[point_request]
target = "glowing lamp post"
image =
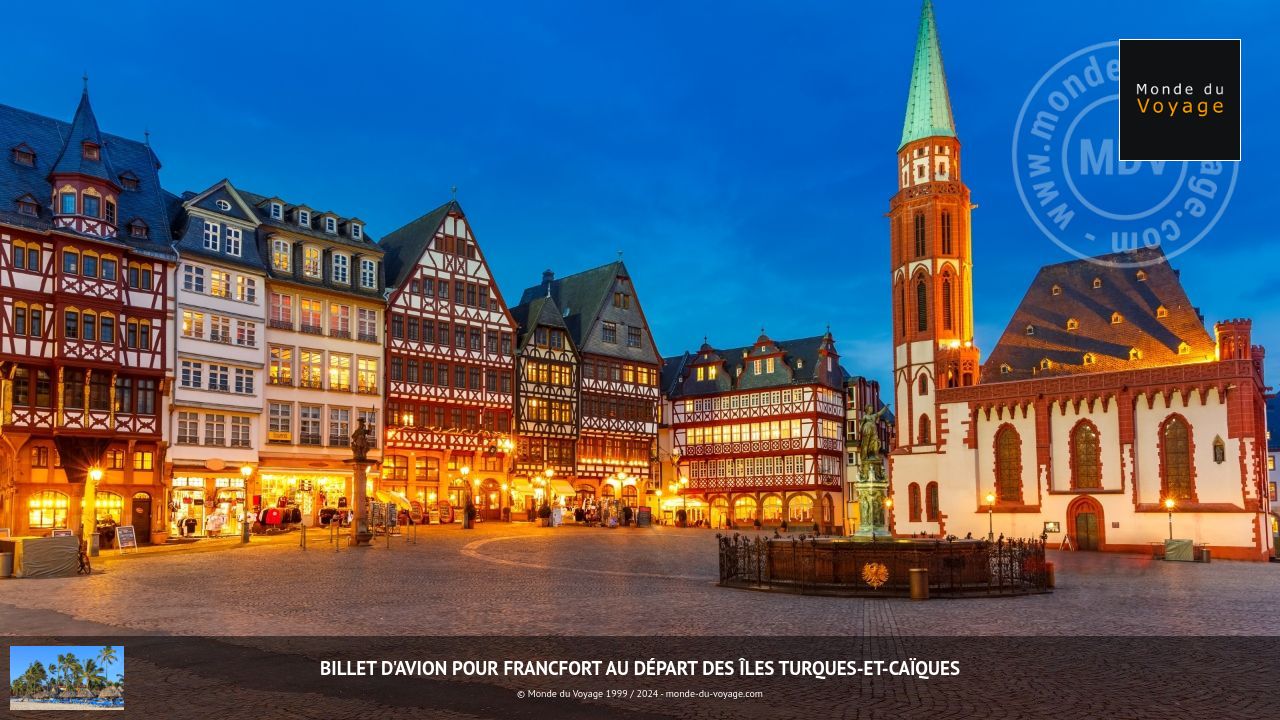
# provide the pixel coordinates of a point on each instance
(991, 506)
(1168, 505)
(246, 471)
(89, 523)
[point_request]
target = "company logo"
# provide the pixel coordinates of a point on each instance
(1067, 168)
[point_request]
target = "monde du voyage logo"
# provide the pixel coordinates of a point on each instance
(1132, 144)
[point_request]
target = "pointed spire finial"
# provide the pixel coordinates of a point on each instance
(146, 134)
(453, 192)
(928, 102)
(619, 254)
(85, 78)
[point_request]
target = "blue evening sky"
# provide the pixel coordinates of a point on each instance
(741, 154)
(21, 657)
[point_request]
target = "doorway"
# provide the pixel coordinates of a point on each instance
(141, 517)
(1084, 524)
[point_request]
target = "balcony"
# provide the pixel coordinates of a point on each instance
(311, 329)
(309, 439)
(339, 441)
(368, 337)
(288, 381)
(280, 324)
(217, 337)
(367, 389)
(311, 383)
(340, 334)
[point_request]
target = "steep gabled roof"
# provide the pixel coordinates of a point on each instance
(47, 138)
(1155, 318)
(579, 297)
(404, 247)
(541, 311)
(928, 102)
(84, 128)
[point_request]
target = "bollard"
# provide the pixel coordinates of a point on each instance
(919, 583)
(302, 541)
(1049, 574)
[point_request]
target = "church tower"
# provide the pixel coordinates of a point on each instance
(929, 228)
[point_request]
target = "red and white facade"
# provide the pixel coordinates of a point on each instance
(449, 360)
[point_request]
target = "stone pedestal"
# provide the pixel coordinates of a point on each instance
(873, 518)
(360, 534)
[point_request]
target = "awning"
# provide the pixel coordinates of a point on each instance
(521, 485)
(386, 496)
(562, 487)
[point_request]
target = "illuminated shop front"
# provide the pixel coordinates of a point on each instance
(310, 492)
(205, 506)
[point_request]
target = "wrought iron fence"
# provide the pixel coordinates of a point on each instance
(815, 566)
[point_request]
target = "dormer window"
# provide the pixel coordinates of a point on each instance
(1031, 329)
(1135, 354)
(304, 218)
(368, 274)
(91, 151)
(1116, 318)
(311, 262)
(24, 155)
(1045, 364)
(330, 225)
(281, 254)
(128, 180)
(223, 205)
(1162, 312)
(1141, 275)
(357, 232)
(1073, 324)
(138, 229)
(1184, 349)
(1097, 283)
(341, 269)
(1057, 290)
(1005, 369)
(27, 206)
(1089, 359)
(277, 211)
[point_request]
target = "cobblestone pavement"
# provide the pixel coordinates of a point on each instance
(536, 592)
(518, 579)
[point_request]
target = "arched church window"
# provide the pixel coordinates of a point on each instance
(1086, 466)
(922, 306)
(946, 301)
(1175, 459)
(920, 239)
(1008, 465)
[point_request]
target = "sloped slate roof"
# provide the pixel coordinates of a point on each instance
(541, 311)
(1137, 300)
(579, 296)
(405, 246)
(84, 128)
(800, 355)
(47, 137)
(265, 222)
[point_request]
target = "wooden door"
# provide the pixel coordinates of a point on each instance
(1086, 531)
(140, 518)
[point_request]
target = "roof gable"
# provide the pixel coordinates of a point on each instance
(404, 247)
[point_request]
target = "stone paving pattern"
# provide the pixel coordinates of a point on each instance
(518, 583)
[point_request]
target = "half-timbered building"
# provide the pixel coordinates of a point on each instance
(758, 433)
(449, 368)
(83, 336)
(546, 408)
(618, 384)
(323, 352)
(215, 424)
(1106, 412)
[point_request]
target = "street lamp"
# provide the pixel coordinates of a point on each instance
(991, 506)
(546, 492)
(246, 471)
(684, 496)
(89, 521)
(468, 509)
(1168, 505)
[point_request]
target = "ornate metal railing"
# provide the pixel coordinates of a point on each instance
(814, 566)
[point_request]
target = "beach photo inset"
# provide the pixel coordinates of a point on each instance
(66, 677)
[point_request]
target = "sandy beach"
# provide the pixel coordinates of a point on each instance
(16, 705)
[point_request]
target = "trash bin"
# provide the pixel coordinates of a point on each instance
(1204, 555)
(6, 565)
(95, 543)
(919, 583)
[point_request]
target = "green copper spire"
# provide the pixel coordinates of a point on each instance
(928, 104)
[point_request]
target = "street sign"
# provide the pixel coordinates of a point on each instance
(126, 537)
(62, 533)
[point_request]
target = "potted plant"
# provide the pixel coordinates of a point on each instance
(682, 517)
(544, 515)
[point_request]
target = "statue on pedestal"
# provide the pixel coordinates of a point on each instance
(360, 442)
(871, 488)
